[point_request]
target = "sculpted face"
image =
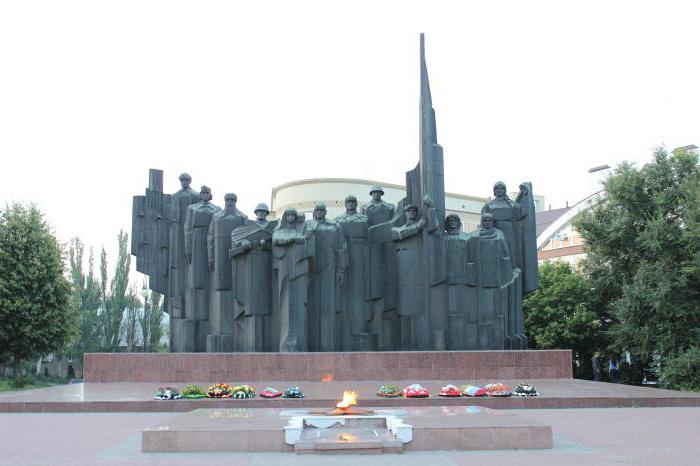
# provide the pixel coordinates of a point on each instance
(185, 181)
(351, 205)
(452, 223)
(411, 214)
(487, 222)
(260, 215)
(376, 196)
(205, 194)
(290, 218)
(320, 214)
(499, 189)
(230, 202)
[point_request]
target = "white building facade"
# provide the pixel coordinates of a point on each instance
(304, 194)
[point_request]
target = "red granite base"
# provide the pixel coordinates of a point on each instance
(418, 365)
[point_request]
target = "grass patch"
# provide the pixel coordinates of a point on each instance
(8, 385)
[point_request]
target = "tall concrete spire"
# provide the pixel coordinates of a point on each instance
(432, 172)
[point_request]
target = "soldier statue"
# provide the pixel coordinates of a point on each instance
(411, 266)
(355, 315)
(493, 289)
(462, 316)
(197, 220)
(251, 259)
(382, 292)
(218, 245)
(516, 219)
(179, 203)
(292, 249)
(327, 274)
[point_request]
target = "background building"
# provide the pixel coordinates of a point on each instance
(303, 195)
(557, 239)
(60, 365)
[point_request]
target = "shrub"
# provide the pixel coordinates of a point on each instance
(683, 371)
(22, 380)
(630, 374)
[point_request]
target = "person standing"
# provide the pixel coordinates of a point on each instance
(597, 367)
(612, 368)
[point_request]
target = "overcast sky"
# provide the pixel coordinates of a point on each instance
(248, 95)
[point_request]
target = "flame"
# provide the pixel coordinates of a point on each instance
(327, 378)
(347, 437)
(349, 399)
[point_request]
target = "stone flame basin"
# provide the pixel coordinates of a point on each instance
(380, 433)
(385, 430)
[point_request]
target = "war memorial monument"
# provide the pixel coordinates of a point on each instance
(386, 329)
(383, 278)
(382, 291)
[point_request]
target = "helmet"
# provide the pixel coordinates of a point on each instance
(376, 187)
(262, 206)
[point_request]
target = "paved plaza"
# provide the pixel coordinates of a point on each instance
(654, 436)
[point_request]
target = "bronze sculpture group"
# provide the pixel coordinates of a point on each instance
(382, 278)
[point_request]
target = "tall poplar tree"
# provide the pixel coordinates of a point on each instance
(85, 301)
(152, 321)
(115, 294)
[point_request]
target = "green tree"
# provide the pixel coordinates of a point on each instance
(152, 321)
(107, 309)
(85, 301)
(682, 371)
(115, 294)
(557, 316)
(35, 316)
(643, 243)
(131, 320)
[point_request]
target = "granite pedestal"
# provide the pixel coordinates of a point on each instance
(434, 428)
